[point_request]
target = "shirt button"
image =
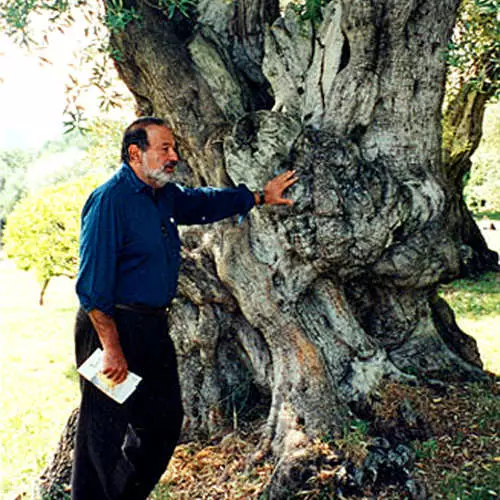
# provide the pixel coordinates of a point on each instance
(172, 220)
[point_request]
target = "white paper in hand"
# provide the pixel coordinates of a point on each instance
(92, 371)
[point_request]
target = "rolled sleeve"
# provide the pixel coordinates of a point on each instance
(99, 247)
(207, 204)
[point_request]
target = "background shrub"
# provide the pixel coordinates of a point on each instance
(42, 231)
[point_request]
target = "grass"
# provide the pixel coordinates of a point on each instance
(485, 484)
(464, 461)
(477, 307)
(38, 381)
(489, 215)
(459, 460)
(475, 299)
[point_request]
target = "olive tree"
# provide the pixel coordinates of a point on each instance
(311, 308)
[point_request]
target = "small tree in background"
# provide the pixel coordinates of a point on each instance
(42, 232)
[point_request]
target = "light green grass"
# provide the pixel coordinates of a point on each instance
(485, 331)
(38, 385)
(474, 299)
(477, 308)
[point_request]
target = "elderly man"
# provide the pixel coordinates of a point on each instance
(129, 265)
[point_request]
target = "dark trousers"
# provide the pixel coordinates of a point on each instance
(122, 449)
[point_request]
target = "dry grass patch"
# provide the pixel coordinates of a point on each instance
(217, 471)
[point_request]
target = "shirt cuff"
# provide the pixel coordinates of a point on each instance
(249, 200)
(87, 306)
(249, 203)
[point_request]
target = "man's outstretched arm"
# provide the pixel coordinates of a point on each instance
(208, 204)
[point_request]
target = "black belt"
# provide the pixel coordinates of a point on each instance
(140, 308)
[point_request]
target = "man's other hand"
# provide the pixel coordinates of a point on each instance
(273, 190)
(114, 364)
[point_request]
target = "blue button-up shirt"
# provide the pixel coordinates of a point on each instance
(129, 244)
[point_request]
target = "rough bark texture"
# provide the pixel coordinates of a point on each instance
(54, 483)
(463, 120)
(299, 314)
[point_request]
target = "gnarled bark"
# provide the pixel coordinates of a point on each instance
(300, 313)
(463, 123)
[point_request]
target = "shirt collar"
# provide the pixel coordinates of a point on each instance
(133, 181)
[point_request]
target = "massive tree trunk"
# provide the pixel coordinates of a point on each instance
(300, 313)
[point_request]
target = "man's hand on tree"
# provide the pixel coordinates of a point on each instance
(273, 190)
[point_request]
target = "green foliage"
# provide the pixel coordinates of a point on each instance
(484, 483)
(72, 156)
(161, 492)
(356, 430)
(118, 17)
(184, 7)
(494, 216)
(42, 231)
(103, 145)
(355, 439)
(96, 71)
(61, 493)
(474, 51)
(309, 10)
(482, 188)
(62, 144)
(77, 154)
(94, 62)
(425, 449)
(16, 16)
(473, 57)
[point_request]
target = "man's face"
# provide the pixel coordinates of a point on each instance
(159, 160)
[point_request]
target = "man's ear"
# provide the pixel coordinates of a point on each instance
(134, 153)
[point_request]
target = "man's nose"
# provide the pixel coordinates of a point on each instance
(172, 155)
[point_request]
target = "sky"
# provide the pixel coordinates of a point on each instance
(32, 96)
